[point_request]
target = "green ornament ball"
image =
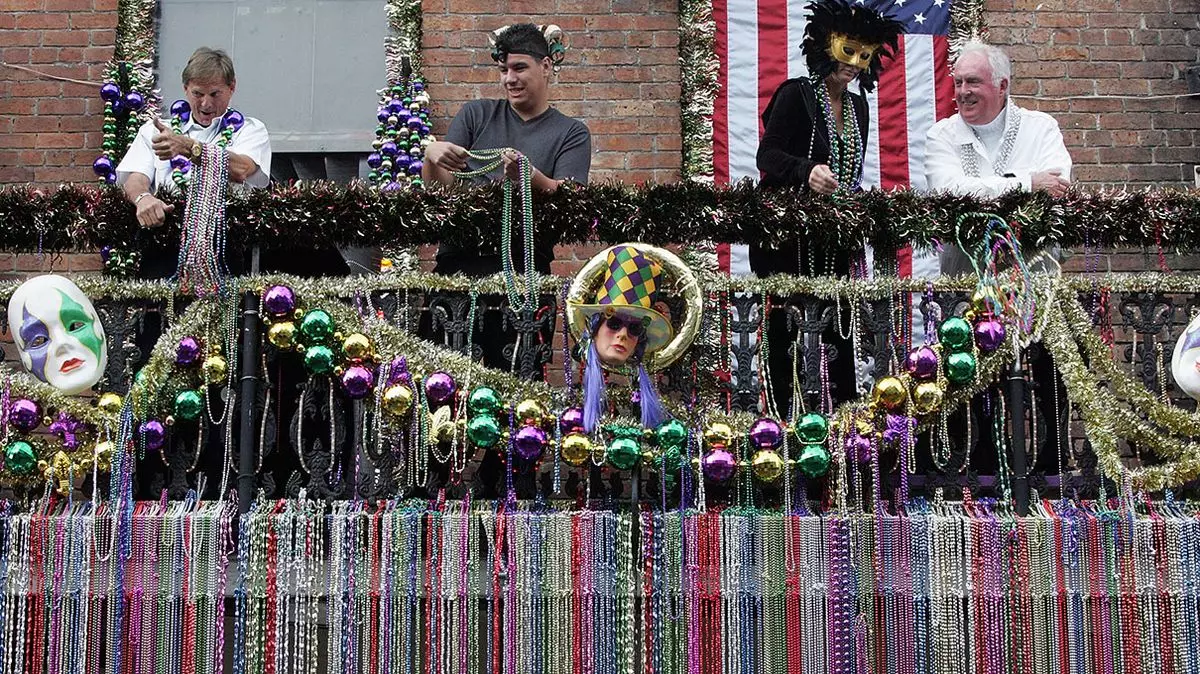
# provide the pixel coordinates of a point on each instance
(484, 400)
(812, 428)
(316, 326)
(672, 434)
(19, 458)
(960, 368)
(188, 405)
(814, 460)
(623, 453)
(483, 431)
(319, 359)
(955, 334)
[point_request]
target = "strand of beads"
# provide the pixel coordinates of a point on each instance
(845, 152)
(231, 122)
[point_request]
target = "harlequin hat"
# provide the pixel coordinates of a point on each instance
(630, 288)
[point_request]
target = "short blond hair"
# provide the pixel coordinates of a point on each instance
(209, 64)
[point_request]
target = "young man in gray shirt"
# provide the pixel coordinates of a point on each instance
(558, 147)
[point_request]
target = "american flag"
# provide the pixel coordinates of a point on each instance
(758, 46)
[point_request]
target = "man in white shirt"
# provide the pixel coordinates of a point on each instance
(992, 145)
(159, 152)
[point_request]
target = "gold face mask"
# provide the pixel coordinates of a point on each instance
(850, 51)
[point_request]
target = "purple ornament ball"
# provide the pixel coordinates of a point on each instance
(989, 334)
(391, 186)
(135, 101)
(24, 414)
(374, 160)
(181, 109)
(382, 115)
(105, 253)
(279, 300)
(571, 420)
(529, 442)
(103, 166)
(414, 123)
(357, 381)
(118, 106)
(388, 149)
(233, 120)
(153, 434)
(396, 106)
(418, 85)
(180, 163)
(439, 387)
(111, 179)
(188, 351)
(415, 167)
(766, 434)
(110, 92)
(718, 465)
(923, 362)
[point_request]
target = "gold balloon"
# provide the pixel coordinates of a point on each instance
(718, 434)
(927, 397)
(576, 448)
(215, 369)
(767, 465)
(889, 392)
(530, 411)
(397, 399)
(282, 335)
(104, 455)
(357, 346)
(110, 403)
(677, 281)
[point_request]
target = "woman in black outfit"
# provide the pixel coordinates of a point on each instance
(816, 136)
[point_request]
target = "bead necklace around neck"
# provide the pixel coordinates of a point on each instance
(181, 111)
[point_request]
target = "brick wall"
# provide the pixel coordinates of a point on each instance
(621, 75)
(50, 129)
(1133, 48)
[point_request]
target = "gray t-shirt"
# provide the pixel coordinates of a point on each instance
(558, 146)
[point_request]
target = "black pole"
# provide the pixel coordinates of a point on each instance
(247, 452)
(1016, 408)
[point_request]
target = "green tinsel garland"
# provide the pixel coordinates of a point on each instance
(404, 23)
(309, 215)
(698, 85)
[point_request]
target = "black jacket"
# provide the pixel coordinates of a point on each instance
(790, 119)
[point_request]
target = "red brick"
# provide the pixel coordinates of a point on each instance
(19, 5)
(64, 37)
(1146, 70)
(1125, 155)
(1112, 20)
(1067, 87)
(42, 20)
(42, 88)
(102, 37)
(1064, 19)
(92, 20)
(13, 38)
(1126, 53)
(1186, 155)
(1157, 172)
(1096, 105)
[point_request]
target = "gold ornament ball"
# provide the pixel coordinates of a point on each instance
(215, 369)
(576, 448)
(110, 403)
(889, 392)
(397, 399)
(356, 347)
(767, 465)
(718, 435)
(927, 397)
(980, 299)
(530, 411)
(282, 335)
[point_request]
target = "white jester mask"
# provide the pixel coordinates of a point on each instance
(58, 333)
(1185, 360)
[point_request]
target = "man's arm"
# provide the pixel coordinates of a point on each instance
(250, 155)
(151, 211)
(944, 170)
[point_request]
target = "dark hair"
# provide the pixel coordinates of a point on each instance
(521, 38)
(208, 64)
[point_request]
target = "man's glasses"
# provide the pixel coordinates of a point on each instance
(635, 326)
